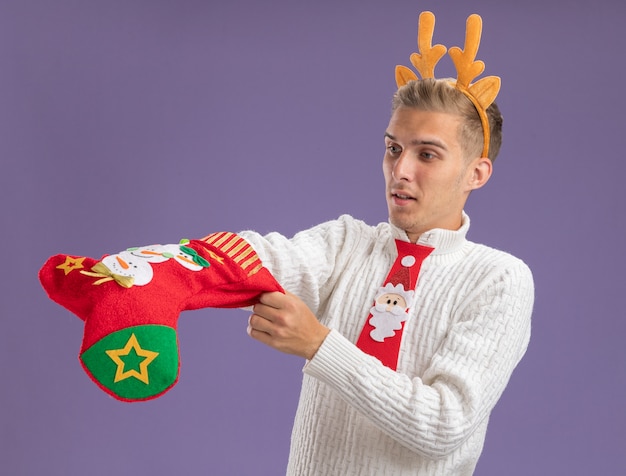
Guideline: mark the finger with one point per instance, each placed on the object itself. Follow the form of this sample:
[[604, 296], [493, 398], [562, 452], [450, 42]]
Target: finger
[[257, 334], [273, 299], [259, 324], [266, 312]]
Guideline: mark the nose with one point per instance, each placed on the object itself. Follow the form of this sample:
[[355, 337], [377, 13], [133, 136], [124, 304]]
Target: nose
[[401, 169], [122, 263]]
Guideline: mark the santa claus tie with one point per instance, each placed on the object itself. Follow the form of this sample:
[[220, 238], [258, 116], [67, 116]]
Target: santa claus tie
[[382, 333]]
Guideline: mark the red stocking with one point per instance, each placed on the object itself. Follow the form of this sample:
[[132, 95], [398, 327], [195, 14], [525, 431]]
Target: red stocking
[[131, 301]]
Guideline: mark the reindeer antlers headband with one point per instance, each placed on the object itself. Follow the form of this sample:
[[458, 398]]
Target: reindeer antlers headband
[[482, 93]]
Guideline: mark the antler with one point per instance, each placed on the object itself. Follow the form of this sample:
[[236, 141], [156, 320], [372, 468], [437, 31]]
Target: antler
[[427, 56], [485, 90]]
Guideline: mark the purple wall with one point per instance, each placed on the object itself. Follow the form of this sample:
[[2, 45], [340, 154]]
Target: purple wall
[[131, 122]]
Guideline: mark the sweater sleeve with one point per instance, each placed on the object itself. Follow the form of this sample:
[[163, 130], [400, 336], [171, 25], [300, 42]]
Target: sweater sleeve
[[308, 264], [433, 414]]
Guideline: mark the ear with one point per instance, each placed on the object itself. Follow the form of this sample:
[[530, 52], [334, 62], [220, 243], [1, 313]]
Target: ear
[[479, 172]]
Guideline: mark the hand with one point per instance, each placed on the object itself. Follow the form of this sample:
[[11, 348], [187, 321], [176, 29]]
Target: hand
[[284, 322]]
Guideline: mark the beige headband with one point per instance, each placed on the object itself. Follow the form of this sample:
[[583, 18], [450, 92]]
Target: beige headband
[[482, 93]]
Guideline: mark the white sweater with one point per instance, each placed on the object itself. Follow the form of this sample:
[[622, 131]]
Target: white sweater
[[468, 329]]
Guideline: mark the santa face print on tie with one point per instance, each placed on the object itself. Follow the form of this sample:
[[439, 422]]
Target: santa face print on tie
[[389, 311]]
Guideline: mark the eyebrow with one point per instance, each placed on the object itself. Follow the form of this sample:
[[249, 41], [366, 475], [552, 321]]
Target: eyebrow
[[436, 143]]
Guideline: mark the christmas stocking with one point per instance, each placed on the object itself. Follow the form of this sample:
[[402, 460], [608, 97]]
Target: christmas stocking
[[131, 301]]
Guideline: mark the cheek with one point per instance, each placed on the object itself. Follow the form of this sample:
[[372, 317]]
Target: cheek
[[386, 172], [445, 182], [386, 168], [388, 165]]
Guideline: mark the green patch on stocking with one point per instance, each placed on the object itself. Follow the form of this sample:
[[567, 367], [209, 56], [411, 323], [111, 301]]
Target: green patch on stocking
[[135, 363]]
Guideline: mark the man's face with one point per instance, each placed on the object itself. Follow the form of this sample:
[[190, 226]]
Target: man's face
[[426, 174]]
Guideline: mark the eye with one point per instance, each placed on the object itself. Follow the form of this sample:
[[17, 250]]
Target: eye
[[427, 155], [393, 149]]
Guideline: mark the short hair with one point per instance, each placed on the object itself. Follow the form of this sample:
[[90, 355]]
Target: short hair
[[440, 95]]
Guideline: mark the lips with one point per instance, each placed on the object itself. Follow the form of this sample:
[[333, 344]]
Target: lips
[[401, 197]]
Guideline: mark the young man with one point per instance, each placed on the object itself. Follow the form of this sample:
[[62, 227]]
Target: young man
[[410, 331], [414, 398]]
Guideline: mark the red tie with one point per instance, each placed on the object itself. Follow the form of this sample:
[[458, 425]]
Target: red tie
[[382, 333]]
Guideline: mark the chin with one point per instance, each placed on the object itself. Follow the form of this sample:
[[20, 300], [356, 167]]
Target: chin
[[403, 223]]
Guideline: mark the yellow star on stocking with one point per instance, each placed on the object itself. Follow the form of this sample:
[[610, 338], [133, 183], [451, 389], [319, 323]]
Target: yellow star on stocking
[[71, 264], [116, 356]]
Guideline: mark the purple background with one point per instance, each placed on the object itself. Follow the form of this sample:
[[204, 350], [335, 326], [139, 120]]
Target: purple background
[[128, 122]]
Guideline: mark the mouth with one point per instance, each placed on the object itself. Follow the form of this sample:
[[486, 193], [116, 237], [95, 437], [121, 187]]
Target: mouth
[[401, 198]]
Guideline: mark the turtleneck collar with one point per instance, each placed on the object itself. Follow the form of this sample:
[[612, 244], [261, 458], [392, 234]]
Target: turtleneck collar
[[444, 241]]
